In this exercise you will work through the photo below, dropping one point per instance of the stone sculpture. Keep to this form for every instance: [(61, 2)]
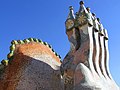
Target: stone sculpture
[(33, 65), (87, 67)]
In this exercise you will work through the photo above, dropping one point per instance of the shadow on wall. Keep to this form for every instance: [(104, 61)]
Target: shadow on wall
[(27, 73)]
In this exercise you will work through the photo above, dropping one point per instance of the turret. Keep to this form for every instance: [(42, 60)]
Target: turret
[(101, 28), (95, 22), (71, 13), (82, 8), (69, 23), (84, 15), (89, 16)]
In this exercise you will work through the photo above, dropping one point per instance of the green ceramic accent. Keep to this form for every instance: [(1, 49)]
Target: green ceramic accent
[(39, 40), (36, 40), (45, 43), (30, 39), (20, 41), (4, 62), (26, 41), (12, 47), (56, 54), (59, 56), (10, 55), (14, 42), (53, 50), (49, 46), (12, 51)]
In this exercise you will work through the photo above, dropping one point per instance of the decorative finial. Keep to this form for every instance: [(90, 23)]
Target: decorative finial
[(101, 28), (71, 7), (82, 8), (81, 3), (93, 14), (98, 20), (71, 13), (88, 9), (106, 34), (95, 22)]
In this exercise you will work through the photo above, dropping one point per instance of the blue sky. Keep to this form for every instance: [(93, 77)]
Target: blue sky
[(20, 19)]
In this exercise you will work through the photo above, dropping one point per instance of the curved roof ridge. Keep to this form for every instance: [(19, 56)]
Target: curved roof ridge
[(10, 55)]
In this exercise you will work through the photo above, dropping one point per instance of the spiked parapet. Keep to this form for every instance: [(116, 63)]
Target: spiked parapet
[(15, 43), (32, 64)]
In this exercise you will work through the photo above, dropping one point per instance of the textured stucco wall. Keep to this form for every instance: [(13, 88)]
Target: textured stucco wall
[(34, 67)]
